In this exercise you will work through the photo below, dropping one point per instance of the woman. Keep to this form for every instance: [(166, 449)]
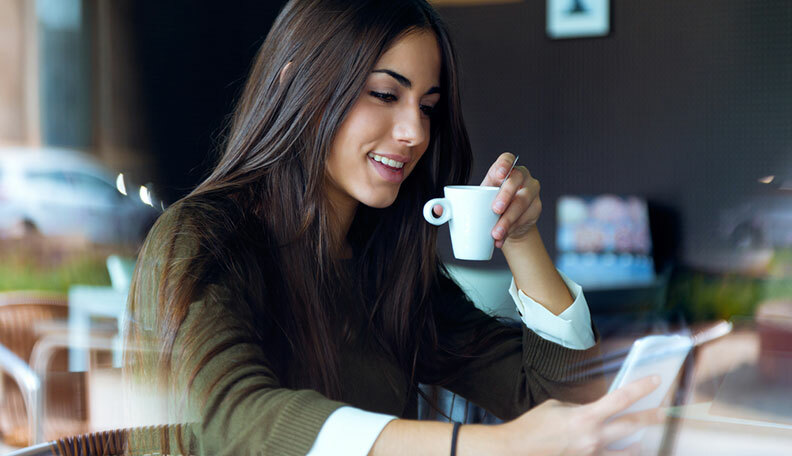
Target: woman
[(294, 299)]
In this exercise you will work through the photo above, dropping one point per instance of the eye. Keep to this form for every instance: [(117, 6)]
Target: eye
[(386, 97), (389, 98)]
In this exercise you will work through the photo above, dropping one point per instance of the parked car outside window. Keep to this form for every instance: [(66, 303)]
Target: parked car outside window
[(61, 192)]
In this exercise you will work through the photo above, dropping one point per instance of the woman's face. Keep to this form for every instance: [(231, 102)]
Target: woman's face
[(387, 130)]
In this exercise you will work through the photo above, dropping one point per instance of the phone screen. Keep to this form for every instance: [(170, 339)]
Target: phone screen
[(661, 355)]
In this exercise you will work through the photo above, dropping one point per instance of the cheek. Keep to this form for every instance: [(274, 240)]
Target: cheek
[(348, 137), (356, 135), (365, 124)]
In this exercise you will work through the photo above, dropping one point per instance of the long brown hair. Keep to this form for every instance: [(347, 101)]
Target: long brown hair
[(261, 218)]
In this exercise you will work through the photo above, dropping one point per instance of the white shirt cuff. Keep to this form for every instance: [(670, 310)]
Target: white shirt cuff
[(571, 329), (349, 431)]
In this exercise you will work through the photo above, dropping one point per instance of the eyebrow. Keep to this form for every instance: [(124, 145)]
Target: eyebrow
[(404, 81)]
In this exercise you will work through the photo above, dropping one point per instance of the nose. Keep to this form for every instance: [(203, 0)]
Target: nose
[(408, 128)]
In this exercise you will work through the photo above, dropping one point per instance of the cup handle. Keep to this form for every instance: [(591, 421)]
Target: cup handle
[(429, 215)]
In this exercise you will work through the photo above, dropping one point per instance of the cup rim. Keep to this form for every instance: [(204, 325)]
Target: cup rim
[(470, 187)]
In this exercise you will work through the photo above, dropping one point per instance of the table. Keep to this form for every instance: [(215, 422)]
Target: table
[(729, 406), (86, 302)]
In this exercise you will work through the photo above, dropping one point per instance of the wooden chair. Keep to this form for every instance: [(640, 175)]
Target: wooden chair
[(20, 313), (163, 439)]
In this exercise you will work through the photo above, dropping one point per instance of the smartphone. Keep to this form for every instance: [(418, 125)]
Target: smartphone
[(660, 355)]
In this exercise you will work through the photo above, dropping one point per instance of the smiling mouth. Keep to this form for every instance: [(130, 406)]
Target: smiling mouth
[(388, 169), (386, 161)]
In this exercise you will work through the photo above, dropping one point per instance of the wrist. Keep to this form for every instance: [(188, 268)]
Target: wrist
[(483, 439), (534, 272), (528, 240)]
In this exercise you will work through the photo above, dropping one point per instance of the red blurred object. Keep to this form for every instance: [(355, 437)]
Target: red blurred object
[(774, 323)]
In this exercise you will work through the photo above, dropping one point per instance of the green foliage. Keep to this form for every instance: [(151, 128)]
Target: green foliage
[(702, 296), (777, 288), (50, 266), (781, 264)]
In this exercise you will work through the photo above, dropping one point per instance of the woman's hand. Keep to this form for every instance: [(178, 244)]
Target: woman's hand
[(517, 202), (557, 428), (551, 429)]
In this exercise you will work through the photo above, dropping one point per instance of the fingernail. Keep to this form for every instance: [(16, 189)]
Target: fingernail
[(498, 233), (499, 205), (502, 172)]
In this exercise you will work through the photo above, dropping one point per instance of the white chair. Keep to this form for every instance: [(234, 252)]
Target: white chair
[(86, 302)]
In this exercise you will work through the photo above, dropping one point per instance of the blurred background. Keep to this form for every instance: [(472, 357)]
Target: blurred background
[(661, 131)]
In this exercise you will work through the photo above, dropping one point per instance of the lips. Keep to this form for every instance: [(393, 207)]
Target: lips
[(388, 173)]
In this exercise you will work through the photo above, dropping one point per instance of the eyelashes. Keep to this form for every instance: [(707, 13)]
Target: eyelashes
[(384, 96), (390, 98)]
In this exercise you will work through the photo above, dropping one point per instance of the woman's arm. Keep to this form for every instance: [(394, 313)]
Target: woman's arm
[(553, 428), (534, 272), (516, 234), (223, 381), (571, 328), (505, 369)]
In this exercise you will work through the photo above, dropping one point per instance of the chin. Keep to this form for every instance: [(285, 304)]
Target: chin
[(379, 201)]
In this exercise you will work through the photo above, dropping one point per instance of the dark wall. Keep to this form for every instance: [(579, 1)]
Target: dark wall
[(192, 59), (685, 102)]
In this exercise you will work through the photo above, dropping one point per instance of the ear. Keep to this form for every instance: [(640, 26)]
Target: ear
[(283, 72)]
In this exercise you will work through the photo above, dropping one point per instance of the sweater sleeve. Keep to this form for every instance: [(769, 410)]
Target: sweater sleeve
[(504, 367), (230, 389)]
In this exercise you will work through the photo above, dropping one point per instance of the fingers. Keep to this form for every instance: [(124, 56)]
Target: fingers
[(498, 170), (519, 178), (438, 210), (616, 401), (626, 425), (517, 202), (523, 212)]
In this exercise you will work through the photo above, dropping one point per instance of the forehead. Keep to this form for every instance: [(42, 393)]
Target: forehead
[(416, 55)]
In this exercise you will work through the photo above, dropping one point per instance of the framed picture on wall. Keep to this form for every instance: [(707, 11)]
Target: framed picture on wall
[(578, 18)]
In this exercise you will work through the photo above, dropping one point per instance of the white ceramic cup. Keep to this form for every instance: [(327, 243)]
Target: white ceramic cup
[(468, 211)]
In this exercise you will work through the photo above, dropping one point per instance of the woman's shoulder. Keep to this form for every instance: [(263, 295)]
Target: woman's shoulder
[(177, 240), (171, 234), (189, 222), (206, 239)]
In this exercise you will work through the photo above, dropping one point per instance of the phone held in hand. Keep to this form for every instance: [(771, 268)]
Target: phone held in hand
[(660, 355)]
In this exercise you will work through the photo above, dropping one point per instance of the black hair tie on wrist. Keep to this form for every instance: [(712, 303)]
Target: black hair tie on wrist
[(454, 436)]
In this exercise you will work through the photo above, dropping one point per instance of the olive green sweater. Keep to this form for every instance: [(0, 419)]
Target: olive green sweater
[(242, 407)]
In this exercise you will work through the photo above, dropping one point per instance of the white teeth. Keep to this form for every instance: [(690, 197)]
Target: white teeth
[(386, 160)]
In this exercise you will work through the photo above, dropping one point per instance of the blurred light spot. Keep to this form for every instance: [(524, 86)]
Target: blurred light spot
[(766, 179), (145, 195), (120, 184)]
